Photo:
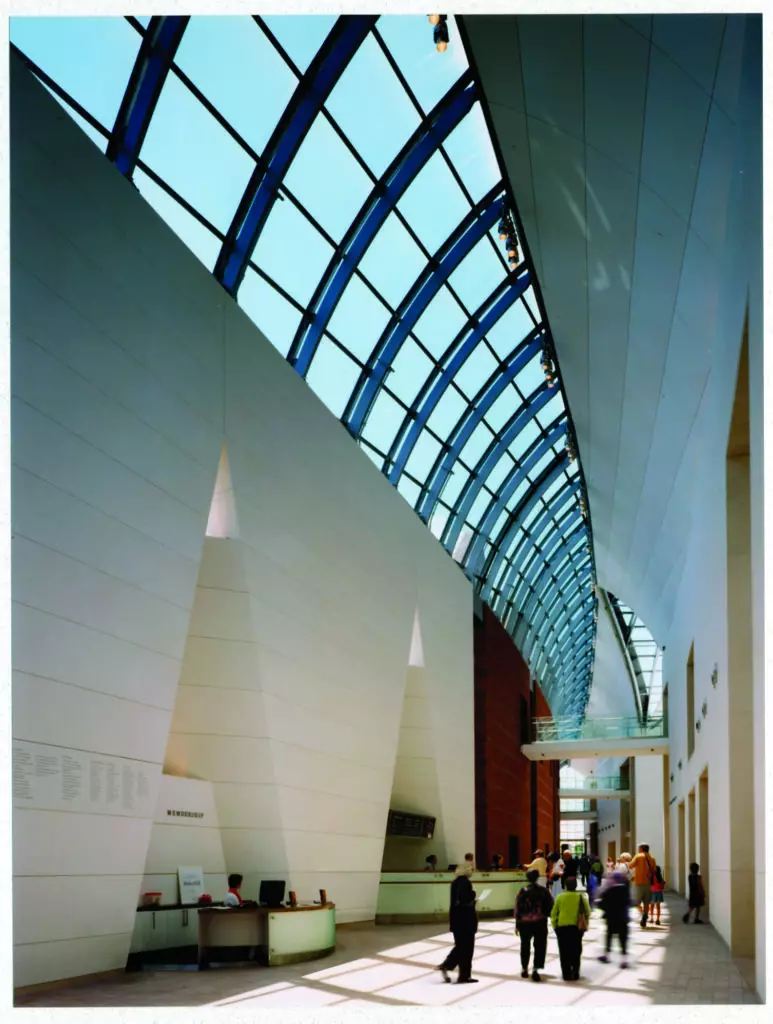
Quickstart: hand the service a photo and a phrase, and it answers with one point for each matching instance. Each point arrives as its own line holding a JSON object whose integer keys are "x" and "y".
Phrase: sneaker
{"x": 524, "y": 974}
{"x": 686, "y": 918}
{"x": 698, "y": 920}
{"x": 604, "y": 959}
{"x": 624, "y": 965}
{"x": 467, "y": 981}
{"x": 535, "y": 976}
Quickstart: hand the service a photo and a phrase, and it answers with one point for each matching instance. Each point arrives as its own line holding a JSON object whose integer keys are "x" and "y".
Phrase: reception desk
{"x": 271, "y": 935}
{"x": 423, "y": 896}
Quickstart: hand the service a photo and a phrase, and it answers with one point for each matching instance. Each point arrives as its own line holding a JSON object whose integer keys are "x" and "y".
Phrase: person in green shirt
{"x": 567, "y": 919}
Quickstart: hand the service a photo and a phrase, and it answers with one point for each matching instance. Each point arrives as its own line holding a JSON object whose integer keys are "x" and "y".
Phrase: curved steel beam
{"x": 544, "y": 639}
{"x": 386, "y": 193}
{"x": 512, "y": 528}
{"x": 533, "y": 613}
{"x": 528, "y": 538}
{"x": 506, "y": 293}
{"x": 471, "y": 418}
{"x": 490, "y": 458}
{"x": 454, "y": 250}
{"x": 154, "y": 59}
{"x": 532, "y": 579}
{"x": 308, "y": 99}
{"x": 570, "y": 653}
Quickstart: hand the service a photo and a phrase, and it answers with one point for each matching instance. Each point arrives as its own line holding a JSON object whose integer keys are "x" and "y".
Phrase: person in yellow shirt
{"x": 642, "y": 869}
{"x": 540, "y": 865}
{"x": 566, "y": 917}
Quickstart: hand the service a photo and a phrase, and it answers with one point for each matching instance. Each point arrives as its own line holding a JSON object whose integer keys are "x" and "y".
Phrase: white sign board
{"x": 191, "y": 884}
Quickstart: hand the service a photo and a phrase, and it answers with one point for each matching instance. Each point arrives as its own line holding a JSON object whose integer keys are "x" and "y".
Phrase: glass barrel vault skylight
{"x": 337, "y": 176}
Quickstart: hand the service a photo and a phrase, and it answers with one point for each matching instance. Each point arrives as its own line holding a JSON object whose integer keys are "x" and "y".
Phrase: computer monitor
{"x": 272, "y": 893}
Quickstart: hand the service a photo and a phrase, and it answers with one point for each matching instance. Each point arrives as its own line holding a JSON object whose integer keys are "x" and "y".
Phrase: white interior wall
{"x": 123, "y": 396}
{"x": 609, "y": 827}
{"x": 611, "y": 693}
{"x": 650, "y": 821}
{"x": 701, "y": 606}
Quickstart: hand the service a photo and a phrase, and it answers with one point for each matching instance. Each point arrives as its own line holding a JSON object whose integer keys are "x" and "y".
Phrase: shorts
{"x": 641, "y": 894}
{"x": 657, "y": 897}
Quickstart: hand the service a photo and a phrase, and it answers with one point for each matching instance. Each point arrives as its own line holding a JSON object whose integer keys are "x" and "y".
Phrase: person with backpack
{"x": 570, "y": 918}
{"x": 464, "y": 925}
{"x": 532, "y": 910}
{"x": 657, "y": 895}
{"x": 614, "y": 901}
{"x": 642, "y": 870}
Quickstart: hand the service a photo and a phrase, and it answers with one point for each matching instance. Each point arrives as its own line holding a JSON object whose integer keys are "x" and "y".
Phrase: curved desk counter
{"x": 423, "y": 896}
{"x": 277, "y": 935}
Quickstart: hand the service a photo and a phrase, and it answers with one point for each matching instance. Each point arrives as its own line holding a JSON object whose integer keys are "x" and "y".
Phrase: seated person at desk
{"x": 431, "y": 862}
{"x": 468, "y": 867}
{"x": 233, "y": 897}
{"x": 497, "y": 862}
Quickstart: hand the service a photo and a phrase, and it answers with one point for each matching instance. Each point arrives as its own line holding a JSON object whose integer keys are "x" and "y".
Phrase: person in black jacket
{"x": 570, "y": 867}
{"x": 532, "y": 912}
{"x": 464, "y": 925}
{"x": 614, "y": 901}
{"x": 584, "y": 869}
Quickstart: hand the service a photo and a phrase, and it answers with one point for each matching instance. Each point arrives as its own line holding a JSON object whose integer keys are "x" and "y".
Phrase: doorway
{"x": 691, "y": 852}
{"x": 513, "y": 851}
{"x": 612, "y": 851}
{"x": 681, "y": 853}
{"x": 703, "y": 812}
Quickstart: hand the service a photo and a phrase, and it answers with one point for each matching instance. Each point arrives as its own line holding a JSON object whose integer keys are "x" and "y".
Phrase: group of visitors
{"x": 552, "y": 895}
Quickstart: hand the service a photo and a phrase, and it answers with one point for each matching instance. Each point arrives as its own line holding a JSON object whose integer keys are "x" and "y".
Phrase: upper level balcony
{"x": 554, "y": 739}
{"x": 596, "y": 787}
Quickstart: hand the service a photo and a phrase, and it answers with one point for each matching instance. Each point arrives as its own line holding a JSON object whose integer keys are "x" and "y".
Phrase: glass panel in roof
{"x": 379, "y": 130}
{"x": 359, "y": 319}
{"x": 531, "y": 307}
{"x": 374, "y": 457}
{"x": 292, "y": 252}
{"x": 423, "y": 456}
{"x": 410, "y": 369}
{"x": 552, "y": 408}
{"x": 437, "y": 521}
{"x": 269, "y": 311}
{"x": 477, "y": 275}
{"x": 239, "y": 72}
{"x": 469, "y": 147}
{"x": 523, "y": 440}
{"x": 393, "y": 260}
{"x": 478, "y": 442}
{"x": 91, "y": 58}
{"x": 383, "y": 422}
{"x": 327, "y": 180}
{"x": 332, "y": 375}
{"x": 479, "y": 506}
{"x": 530, "y": 378}
{"x": 541, "y": 464}
{"x": 429, "y": 74}
{"x": 199, "y": 240}
{"x": 498, "y": 473}
{"x": 476, "y": 370}
{"x": 455, "y": 481}
{"x": 300, "y": 35}
{"x": 440, "y": 322}
{"x": 503, "y": 409}
{"x": 433, "y": 204}
{"x": 511, "y": 328}
{"x": 447, "y": 412}
{"x": 409, "y": 490}
{"x": 189, "y": 149}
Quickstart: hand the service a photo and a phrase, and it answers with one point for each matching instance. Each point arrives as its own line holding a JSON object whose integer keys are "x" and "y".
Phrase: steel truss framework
{"x": 644, "y": 654}
{"x": 503, "y": 501}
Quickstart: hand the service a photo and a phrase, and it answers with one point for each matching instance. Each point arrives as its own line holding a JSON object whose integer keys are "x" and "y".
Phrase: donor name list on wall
{"x": 55, "y": 779}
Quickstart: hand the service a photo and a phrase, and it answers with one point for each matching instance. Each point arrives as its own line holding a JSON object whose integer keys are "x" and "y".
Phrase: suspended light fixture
{"x": 440, "y": 34}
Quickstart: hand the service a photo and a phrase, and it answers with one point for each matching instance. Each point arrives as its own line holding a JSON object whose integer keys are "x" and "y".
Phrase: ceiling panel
{"x": 516, "y": 154}
{"x": 675, "y": 124}
{"x": 616, "y": 63}
{"x": 728, "y": 82}
{"x": 712, "y": 191}
{"x": 557, "y": 163}
{"x": 551, "y": 55}
{"x": 693, "y": 41}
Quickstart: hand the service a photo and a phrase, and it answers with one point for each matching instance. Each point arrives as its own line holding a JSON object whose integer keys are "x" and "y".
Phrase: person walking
{"x": 464, "y": 925}
{"x": 533, "y": 906}
{"x": 570, "y": 918}
{"x": 584, "y": 869}
{"x": 556, "y": 876}
{"x": 570, "y": 866}
{"x": 696, "y": 894}
{"x": 642, "y": 869}
{"x": 614, "y": 901}
{"x": 657, "y": 895}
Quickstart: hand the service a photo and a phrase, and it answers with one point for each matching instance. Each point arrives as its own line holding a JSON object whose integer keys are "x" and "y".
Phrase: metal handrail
{"x": 569, "y": 728}
{"x": 595, "y": 782}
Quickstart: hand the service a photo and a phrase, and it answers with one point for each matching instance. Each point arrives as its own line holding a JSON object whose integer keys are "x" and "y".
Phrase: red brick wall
{"x": 502, "y": 772}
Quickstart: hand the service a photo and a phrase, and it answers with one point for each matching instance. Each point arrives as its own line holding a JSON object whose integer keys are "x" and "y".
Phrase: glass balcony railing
{"x": 595, "y": 782}
{"x": 545, "y": 730}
